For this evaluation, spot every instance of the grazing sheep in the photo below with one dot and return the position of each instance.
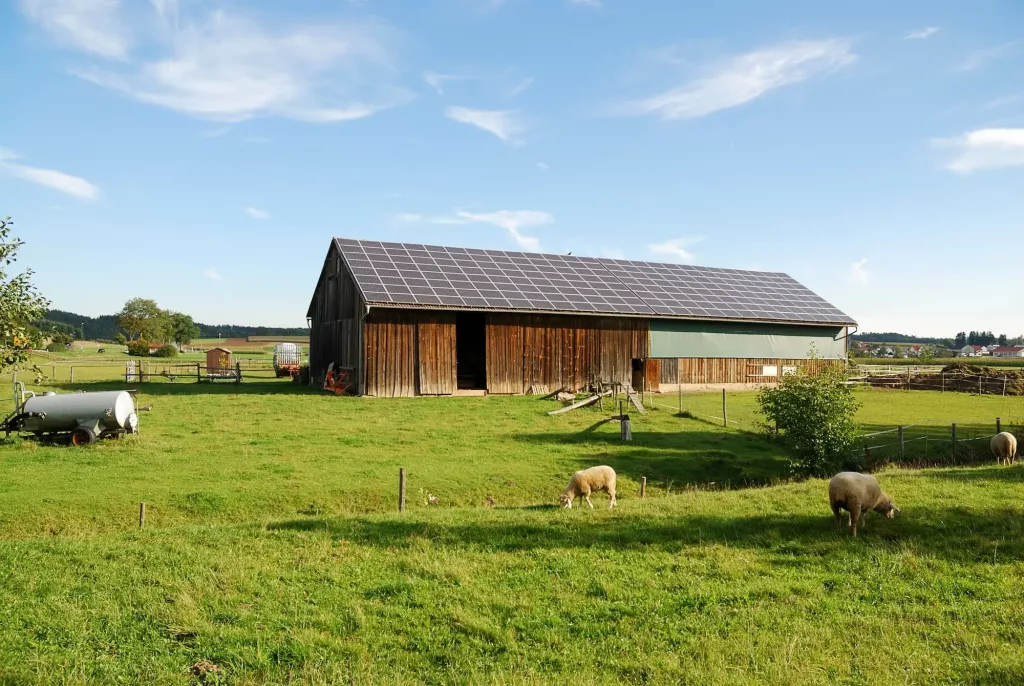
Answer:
(858, 493)
(1004, 447)
(587, 481)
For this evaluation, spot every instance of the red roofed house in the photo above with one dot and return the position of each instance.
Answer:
(1008, 351)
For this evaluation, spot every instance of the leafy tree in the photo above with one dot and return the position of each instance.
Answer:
(1002, 340)
(166, 350)
(960, 340)
(120, 339)
(20, 302)
(142, 318)
(814, 413)
(138, 348)
(185, 330)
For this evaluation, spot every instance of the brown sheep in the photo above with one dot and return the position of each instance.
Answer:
(858, 494)
(1004, 447)
(587, 481)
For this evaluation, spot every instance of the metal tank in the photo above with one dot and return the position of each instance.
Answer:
(83, 416)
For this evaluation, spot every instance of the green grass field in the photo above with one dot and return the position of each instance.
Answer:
(272, 549)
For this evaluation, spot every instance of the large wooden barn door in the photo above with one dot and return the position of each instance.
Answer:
(437, 359)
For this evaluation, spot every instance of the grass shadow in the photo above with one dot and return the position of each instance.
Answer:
(184, 389)
(678, 457)
(959, 534)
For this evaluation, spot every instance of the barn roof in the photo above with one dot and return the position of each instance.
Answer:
(410, 275)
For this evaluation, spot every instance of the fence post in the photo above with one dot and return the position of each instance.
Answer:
(899, 434)
(53, 372)
(238, 372)
(142, 514)
(908, 378)
(73, 380)
(943, 387)
(953, 434)
(625, 430)
(679, 387)
(980, 392)
(199, 376)
(999, 425)
(401, 489)
(643, 486)
(725, 413)
(1004, 385)
(867, 456)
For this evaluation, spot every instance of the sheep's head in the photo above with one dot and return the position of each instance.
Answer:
(565, 500)
(888, 508)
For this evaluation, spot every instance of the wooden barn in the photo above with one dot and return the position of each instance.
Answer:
(407, 320)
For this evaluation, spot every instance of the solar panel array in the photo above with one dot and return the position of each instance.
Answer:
(427, 275)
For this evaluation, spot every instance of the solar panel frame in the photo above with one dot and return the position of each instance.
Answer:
(402, 274)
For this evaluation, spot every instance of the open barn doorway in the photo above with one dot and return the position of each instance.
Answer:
(471, 350)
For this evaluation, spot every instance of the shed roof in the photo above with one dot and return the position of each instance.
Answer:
(409, 275)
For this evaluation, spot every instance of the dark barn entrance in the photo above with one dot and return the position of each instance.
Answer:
(471, 350)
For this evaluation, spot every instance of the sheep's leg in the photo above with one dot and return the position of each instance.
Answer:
(588, 501)
(854, 518)
(611, 499)
(839, 516)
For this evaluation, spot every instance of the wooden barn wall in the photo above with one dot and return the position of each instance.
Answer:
(334, 321)
(408, 353)
(732, 370)
(547, 352)
(389, 361)
(435, 333)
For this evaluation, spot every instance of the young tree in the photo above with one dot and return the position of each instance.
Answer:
(814, 413)
(960, 340)
(142, 318)
(185, 330)
(1002, 340)
(20, 302)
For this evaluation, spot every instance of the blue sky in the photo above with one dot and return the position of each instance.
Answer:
(203, 153)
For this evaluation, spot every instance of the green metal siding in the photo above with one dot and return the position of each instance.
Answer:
(682, 338)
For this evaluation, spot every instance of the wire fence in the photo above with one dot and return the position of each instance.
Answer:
(930, 441)
(916, 379)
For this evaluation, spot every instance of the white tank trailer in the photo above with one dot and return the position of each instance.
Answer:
(79, 417)
(287, 358)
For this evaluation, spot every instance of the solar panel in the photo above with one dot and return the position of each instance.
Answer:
(411, 274)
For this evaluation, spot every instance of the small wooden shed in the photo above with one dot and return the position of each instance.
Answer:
(218, 361)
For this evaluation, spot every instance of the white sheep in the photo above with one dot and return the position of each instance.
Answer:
(858, 493)
(587, 481)
(1004, 447)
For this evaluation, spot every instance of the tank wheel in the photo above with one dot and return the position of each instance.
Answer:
(82, 436)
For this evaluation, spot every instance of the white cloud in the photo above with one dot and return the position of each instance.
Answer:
(926, 32)
(94, 26)
(979, 58)
(746, 77)
(212, 273)
(675, 248)
(227, 67)
(512, 221)
(65, 183)
(505, 124)
(543, 166)
(520, 87)
(985, 149)
(859, 271)
(256, 214)
(437, 80)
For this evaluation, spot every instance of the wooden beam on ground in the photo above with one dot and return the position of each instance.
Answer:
(583, 403)
(636, 402)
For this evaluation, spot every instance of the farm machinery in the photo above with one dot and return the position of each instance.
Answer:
(78, 418)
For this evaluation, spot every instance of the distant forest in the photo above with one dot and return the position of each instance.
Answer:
(105, 327)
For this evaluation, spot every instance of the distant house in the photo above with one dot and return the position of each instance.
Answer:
(971, 351)
(914, 351)
(1008, 351)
